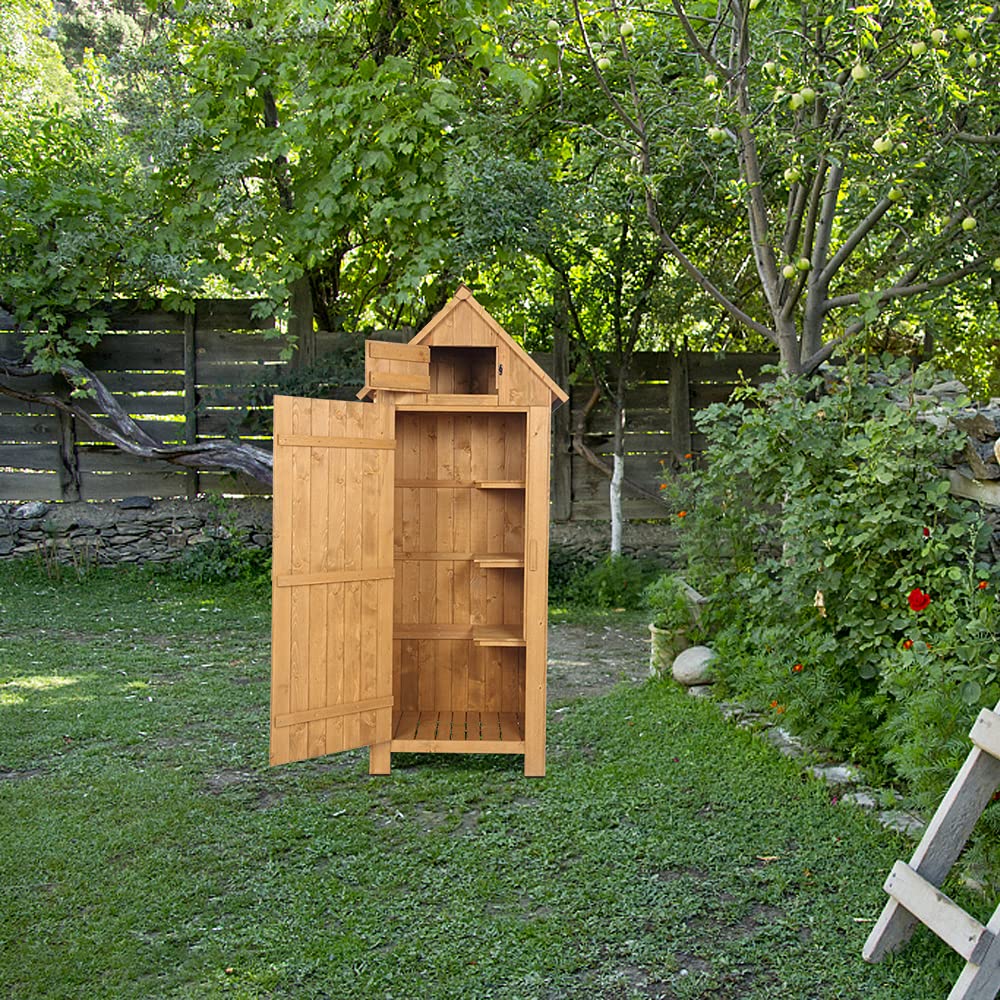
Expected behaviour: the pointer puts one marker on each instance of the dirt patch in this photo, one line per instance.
(588, 660)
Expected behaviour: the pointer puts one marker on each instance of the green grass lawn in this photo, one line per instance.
(147, 849)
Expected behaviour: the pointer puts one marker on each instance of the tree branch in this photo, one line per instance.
(904, 291)
(122, 431)
(700, 279)
(864, 227)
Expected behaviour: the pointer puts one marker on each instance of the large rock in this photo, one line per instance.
(694, 666)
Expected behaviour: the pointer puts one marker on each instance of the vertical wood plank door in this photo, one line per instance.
(332, 577)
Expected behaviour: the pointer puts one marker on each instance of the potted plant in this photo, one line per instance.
(675, 612)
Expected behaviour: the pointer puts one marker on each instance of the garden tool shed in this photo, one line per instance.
(411, 552)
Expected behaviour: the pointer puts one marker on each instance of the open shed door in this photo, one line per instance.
(332, 596)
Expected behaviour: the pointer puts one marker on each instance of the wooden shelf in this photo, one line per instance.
(498, 635)
(459, 732)
(433, 484)
(500, 560)
(481, 635)
(491, 560)
(498, 484)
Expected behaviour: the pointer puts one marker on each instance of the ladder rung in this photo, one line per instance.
(985, 732)
(943, 916)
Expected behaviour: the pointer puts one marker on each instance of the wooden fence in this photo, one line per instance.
(185, 377)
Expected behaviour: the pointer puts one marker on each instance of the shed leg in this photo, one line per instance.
(379, 758)
(534, 762)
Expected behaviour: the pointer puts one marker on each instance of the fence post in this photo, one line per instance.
(562, 458)
(191, 394)
(300, 324)
(69, 458)
(680, 405)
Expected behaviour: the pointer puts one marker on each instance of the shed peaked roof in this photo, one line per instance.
(463, 298)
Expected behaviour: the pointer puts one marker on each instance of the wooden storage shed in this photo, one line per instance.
(411, 552)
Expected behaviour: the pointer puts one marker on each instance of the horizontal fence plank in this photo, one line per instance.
(29, 486)
(30, 456)
(28, 428)
(111, 486)
(136, 352)
(600, 510)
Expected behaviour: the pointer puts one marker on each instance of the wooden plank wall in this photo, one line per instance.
(181, 377)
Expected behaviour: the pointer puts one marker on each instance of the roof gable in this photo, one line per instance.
(483, 331)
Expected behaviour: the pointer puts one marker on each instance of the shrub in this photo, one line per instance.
(226, 556)
(669, 604)
(613, 582)
(848, 589)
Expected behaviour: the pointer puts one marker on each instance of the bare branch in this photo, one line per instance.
(601, 82)
(976, 140)
(904, 291)
(863, 228)
(699, 278)
(121, 430)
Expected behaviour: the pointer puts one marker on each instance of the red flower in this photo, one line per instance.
(983, 584)
(907, 644)
(918, 599)
(797, 669)
(927, 532)
(682, 513)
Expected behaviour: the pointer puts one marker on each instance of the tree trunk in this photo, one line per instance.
(618, 472)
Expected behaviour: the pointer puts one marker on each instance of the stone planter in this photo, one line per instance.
(664, 645)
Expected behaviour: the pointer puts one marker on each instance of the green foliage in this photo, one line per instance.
(613, 582)
(336, 375)
(227, 555)
(848, 589)
(564, 564)
(666, 598)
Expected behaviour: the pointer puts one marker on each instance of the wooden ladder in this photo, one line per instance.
(914, 894)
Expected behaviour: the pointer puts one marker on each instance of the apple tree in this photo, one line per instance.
(859, 146)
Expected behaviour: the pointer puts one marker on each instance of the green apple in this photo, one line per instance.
(938, 36)
(770, 68)
(803, 263)
(962, 33)
(553, 25)
(788, 271)
(711, 80)
(972, 60)
(604, 64)
(969, 223)
(796, 101)
(627, 30)
(918, 48)
(792, 174)
(807, 94)
(883, 145)
(996, 263)
(859, 72)
(717, 134)
(895, 194)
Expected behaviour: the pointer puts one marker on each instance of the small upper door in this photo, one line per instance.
(332, 587)
(398, 367)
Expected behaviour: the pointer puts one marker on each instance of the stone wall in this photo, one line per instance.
(135, 530)
(140, 530)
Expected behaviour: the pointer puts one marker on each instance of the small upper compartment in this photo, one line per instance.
(463, 352)
(466, 371)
